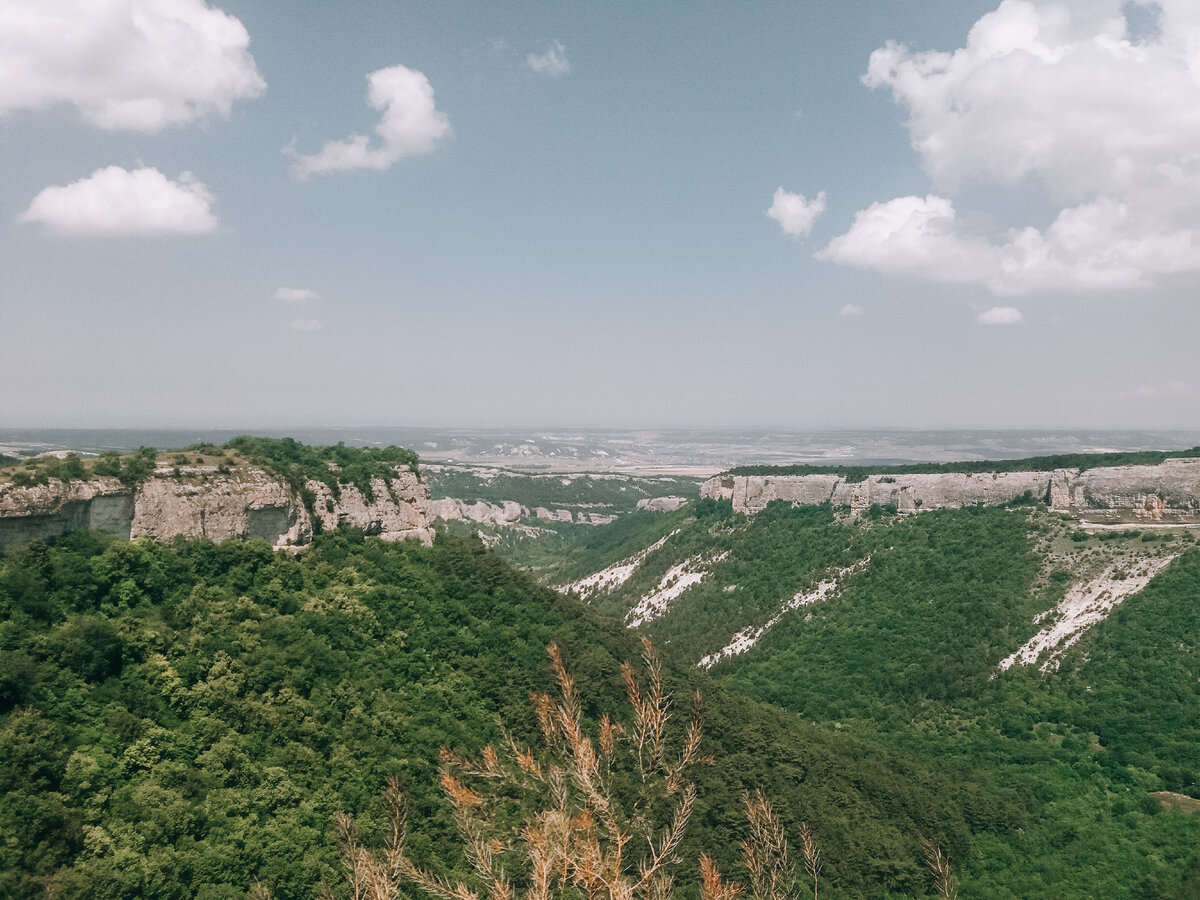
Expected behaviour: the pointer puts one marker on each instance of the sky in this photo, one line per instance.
(933, 214)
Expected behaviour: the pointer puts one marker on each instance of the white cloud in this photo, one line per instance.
(1095, 246)
(1000, 315)
(1172, 387)
(124, 64)
(795, 213)
(114, 202)
(410, 124)
(851, 310)
(305, 325)
(1058, 92)
(552, 62)
(296, 295)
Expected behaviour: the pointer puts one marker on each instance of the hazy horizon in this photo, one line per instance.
(709, 449)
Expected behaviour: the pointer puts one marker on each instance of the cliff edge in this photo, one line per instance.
(242, 501)
(1168, 492)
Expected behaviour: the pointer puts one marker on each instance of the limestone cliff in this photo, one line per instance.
(1169, 492)
(508, 513)
(450, 509)
(202, 501)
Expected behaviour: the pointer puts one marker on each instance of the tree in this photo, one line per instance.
(600, 815)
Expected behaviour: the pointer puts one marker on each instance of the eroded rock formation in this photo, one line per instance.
(244, 502)
(1169, 492)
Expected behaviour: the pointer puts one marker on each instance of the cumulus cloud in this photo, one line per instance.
(1096, 246)
(1000, 315)
(911, 236)
(410, 124)
(851, 310)
(1173, 387)
(114, 202)
(139, 65)
(296, 295)
(1063, 93)
(305, 325)
(552, 62)
(795, 213)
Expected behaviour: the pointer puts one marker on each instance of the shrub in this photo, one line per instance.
(569, 828)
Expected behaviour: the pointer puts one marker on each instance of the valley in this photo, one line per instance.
(1011, 681)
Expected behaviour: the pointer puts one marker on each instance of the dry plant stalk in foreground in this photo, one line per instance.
(940, 866)
(765, 854)
(576, 836)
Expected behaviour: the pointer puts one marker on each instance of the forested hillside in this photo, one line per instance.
(904, 628)
(184, 720)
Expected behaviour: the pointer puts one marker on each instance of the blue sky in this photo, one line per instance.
(556, 214)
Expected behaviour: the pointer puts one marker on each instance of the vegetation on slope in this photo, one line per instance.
(559, 552)
(574, 490)
(183, 720)
(296, 463)
(906, 651)
(292, 462)
(130, 468)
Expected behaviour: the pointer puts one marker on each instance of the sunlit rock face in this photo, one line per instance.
(1169, 492)
(450, 509)
(245, 502)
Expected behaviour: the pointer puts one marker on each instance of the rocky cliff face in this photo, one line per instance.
(507, 513)
(246, 502)
(1169, 492)
(48, 510)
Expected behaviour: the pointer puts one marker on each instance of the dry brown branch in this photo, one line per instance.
(650, 710)
(940, 866)
(713, 886)
(812, 855)
(690, 754)
(578, 837)
(765, 851)
(610, 733)
(664, 852)
(487, 767)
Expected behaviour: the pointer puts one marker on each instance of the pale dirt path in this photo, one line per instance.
(745, 639)
(608, 580)
(1085, 605)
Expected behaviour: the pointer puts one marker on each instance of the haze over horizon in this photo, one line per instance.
(958, 215)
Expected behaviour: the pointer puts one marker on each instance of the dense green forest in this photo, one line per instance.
(906, 651)
(184, 720)
(1081, 461)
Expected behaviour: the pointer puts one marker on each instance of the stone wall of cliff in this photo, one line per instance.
(508, 513)
(1169, 492)
(201, 501)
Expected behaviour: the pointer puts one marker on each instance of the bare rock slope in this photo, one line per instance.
(245, 501)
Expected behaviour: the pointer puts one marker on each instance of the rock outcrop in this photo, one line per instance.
(48, 510)
(1169, 492)
(450, 509)
(508, 513)
(244, 502)
(661, 504)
